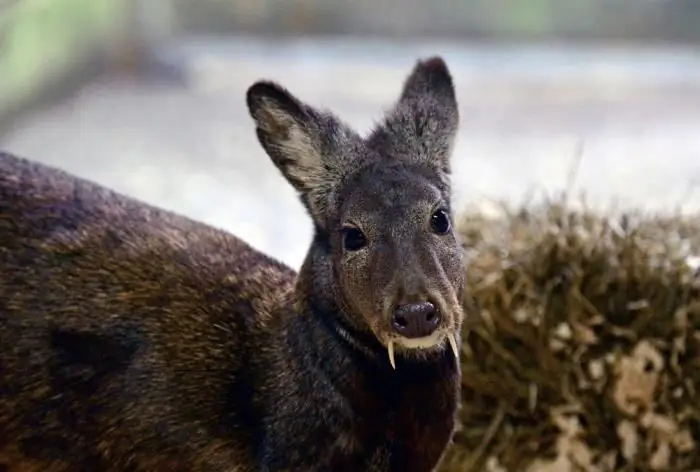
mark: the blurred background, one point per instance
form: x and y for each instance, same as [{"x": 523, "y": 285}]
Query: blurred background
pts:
[{"x": 147, "y": 96}]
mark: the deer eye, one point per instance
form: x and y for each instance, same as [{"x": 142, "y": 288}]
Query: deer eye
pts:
[
  {"x": 440, "y": 222},
  {"x": 353, "y": 239}
]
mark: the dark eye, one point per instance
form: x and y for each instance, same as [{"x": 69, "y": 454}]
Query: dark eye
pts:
[
  {"x": 440, "y": 222},
  {"x": 353, "y": 239}
]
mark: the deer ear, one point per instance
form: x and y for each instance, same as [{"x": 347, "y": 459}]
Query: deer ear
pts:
[
  {"x": 423, "y": 124},
  {"x": 312, "y": 149},
  {"x": 288, "y": 133},
  {"x": 430, "y": 80}
]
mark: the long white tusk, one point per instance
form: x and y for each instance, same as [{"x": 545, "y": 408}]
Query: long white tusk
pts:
[
  {"x": 391, "y": 354},
  {"x": 453, "y": 344}
]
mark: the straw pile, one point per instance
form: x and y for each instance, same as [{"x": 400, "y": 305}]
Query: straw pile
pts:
[{"x": 582, "y": 352}]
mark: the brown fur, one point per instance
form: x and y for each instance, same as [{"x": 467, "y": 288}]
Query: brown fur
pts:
[{"x": 135, "y": 339}]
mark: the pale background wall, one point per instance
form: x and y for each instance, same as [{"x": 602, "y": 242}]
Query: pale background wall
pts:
[{"x": 147, "y": 96}]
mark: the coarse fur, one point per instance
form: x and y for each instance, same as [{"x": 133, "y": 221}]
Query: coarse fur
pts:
[{"x": 134, "y": 339}]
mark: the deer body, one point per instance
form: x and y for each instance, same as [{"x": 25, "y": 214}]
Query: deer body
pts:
[{"x": 135, "y": 339}]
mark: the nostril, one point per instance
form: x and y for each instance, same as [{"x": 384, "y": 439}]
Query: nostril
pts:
[
  {"x": 400, "y": 321},
  {"x": 414, "y": 320}
]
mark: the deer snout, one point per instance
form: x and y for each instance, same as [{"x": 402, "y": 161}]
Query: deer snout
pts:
[{"x": 415, "y": 320}]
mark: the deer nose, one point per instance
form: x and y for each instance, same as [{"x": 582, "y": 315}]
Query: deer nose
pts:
[{"x": 415, "y": 320}]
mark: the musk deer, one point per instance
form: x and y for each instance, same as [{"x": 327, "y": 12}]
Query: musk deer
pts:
[{"x": 134, "y": 339}]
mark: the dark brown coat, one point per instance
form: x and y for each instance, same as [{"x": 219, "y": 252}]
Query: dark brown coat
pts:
[{"x": 134, "y": 339}]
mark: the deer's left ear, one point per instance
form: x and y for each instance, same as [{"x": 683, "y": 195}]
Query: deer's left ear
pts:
[{"x": 423, "y": 124}]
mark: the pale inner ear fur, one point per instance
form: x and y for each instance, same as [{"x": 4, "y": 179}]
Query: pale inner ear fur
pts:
[{"x": 296, "y": 148}]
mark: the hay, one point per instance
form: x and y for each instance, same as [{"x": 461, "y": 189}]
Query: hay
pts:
[{"x": 582, "y": 350}]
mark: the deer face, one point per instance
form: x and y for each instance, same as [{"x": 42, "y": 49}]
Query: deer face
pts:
[{"x": 385, "y": 250}]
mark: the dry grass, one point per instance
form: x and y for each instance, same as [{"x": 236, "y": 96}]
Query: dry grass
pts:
[{"x": 582, "y": 352}]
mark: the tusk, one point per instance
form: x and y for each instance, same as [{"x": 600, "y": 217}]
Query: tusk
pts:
[
  {"x": 453, "y": 344},
  {"x": 391, "y": 354}
]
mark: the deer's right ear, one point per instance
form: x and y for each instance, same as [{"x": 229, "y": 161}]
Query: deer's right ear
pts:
[
  {"x": 287, "y": 132},
  {"x": 312, "y": 149}
]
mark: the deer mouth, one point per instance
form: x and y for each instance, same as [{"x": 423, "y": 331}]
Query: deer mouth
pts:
[
  {"x": 422, "y": 327},
  {"x": 424, "y": 343}
]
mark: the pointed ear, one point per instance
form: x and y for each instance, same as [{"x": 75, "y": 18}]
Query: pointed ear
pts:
[
  {"x": 312, "y": 149},
  {"x": 423, "y": 124}
]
